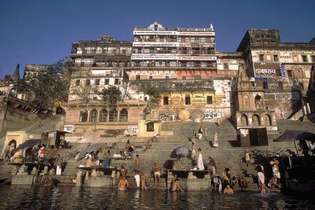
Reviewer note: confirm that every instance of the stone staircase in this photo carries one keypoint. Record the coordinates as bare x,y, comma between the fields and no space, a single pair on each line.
225,155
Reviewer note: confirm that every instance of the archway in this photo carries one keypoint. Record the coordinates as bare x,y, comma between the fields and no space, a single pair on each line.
103,115
255,120
113,115
258,102
83,116
123,117
93,115
244,120
268,120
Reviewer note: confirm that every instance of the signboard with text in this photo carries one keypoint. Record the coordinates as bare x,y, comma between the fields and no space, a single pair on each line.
266,70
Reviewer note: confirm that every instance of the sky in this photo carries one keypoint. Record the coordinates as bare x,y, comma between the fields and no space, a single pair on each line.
42,31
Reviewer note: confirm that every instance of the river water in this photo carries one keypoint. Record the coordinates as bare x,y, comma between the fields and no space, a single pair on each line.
22,197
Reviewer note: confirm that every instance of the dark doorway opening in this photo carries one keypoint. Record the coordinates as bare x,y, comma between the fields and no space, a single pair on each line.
258,137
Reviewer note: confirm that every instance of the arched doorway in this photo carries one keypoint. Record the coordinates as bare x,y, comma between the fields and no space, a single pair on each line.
255,120
258,102
244,120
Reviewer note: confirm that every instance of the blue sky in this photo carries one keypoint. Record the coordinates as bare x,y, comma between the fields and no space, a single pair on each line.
41,31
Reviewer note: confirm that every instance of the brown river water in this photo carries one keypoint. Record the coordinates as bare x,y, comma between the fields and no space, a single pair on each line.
22,197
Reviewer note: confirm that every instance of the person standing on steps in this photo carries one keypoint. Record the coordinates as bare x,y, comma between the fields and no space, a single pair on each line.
200,164
137,163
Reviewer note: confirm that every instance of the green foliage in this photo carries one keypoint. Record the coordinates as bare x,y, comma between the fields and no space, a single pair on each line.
48,88
111,95
155,96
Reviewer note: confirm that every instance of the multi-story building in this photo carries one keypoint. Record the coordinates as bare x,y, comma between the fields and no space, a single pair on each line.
275,81
163,53
186,56
97,65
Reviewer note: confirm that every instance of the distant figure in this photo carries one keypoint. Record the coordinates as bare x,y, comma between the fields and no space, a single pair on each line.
129,149
156,172
107,159
247,157
175,186
144,181
137,178
274,181
216,184
193,151
59,164
215,142
137,163
261,180
122,183
228,190
200,133
42,152
200,164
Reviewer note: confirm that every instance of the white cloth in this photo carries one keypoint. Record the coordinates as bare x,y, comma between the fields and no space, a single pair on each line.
200,162
261,177
275,171
58,171
137,178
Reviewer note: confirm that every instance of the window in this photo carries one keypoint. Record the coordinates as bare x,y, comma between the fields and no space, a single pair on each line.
226,66
187,100
137,77
77,82
116,81
261,57
87,82
150,127
106,81
167,77
304,58
209,99
313,58
93,115
123,117
275,58
83,116
165,100
103,115
183,78
113,115
150,77
97,82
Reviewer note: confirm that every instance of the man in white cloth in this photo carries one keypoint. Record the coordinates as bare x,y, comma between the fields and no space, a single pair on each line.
261,180
200,164
137,178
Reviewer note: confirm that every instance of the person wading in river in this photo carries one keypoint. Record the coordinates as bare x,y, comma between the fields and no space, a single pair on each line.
122,183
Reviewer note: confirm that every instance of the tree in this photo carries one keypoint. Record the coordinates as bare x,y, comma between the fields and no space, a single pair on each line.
48,88
111,95
155,97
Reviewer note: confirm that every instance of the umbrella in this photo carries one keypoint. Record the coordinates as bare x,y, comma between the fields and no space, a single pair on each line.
90,148
181,151
29,143
290,135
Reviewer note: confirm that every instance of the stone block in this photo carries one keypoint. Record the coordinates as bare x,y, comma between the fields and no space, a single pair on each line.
23,179
198,184
99,181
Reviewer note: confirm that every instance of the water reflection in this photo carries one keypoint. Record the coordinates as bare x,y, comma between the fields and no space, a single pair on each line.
21,197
